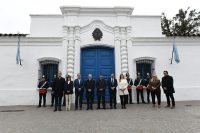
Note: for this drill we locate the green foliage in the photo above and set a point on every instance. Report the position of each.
(185, 23)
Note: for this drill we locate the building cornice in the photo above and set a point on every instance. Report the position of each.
(29, 41)
(165, 41)
(106, 11)
(46, 16)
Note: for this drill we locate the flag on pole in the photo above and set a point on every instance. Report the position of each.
(18, 57)
(175, 54)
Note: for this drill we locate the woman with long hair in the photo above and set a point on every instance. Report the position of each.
(68, 90)
(123, 92)
(154, 86)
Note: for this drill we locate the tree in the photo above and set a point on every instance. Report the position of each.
(185, 23)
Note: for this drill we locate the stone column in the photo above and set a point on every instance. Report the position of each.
(129, 43)
(70, 52)
(77, 49)
(117, 41)
(65, 45)
(123, 51)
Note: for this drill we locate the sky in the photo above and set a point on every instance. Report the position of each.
(14, 14)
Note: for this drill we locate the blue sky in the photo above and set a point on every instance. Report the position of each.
(14, 14)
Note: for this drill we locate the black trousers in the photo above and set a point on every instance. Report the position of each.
(130, 95)
(44, 99)
(101, 98)
(113, 99)
(123, 99)
(90, 99)
(58, 101)
(52, 99)
(140, 93)
(148, 95)
(170, 96)
(78, 100)
(156, 94)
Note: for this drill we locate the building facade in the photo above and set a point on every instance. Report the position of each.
(98, 41)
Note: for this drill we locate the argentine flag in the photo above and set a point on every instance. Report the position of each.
(18, 58)
(175, 54)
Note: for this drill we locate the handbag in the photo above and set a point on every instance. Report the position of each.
(139, 87)
(42, 90)
(129, 87)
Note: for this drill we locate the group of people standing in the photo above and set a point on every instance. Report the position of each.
(64, 88)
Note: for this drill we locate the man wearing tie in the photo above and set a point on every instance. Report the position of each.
(79, 89)
(90, 85)
(112, 85)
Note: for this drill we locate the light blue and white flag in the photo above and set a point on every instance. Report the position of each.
(18, 57)
(175, 54)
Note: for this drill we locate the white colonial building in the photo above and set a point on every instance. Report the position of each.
(98, 41)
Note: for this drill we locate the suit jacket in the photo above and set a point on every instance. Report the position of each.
(78, 85)
(101, 84)
(41, 84)
(68, 89)
(137, 81)
(58, 86)
(146, 81)
(130, 81)
(112, 84)
(167, 82)
(90, 84)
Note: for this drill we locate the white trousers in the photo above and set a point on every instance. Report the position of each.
(68, 98)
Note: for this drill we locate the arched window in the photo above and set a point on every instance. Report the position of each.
(48, 68)
(145, 65)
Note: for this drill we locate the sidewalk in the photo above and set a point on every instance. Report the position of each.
(142, 118)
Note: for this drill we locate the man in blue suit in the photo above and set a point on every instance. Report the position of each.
(112, 85)
(79, 89)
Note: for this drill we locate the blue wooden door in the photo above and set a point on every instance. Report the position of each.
(97, 60)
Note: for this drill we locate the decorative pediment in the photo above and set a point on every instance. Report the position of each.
(97, 24)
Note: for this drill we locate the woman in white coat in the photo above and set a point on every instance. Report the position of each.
(122, 90)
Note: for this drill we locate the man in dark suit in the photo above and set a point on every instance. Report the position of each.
(101, 87)
(146, 83)
(139, 83)
(79, 89)
(90, 85)
(168, 87)
(112, 85)
(43, 85)
(130, 84)
(58, 87)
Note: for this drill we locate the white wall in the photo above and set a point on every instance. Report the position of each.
(185, 74)
(46, 26)
(19, 83)
(146, 26)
